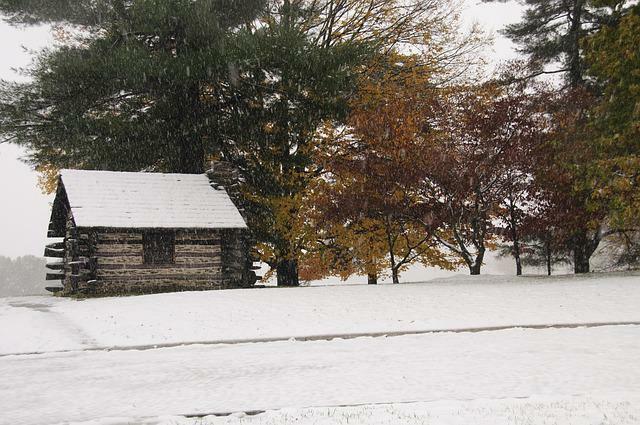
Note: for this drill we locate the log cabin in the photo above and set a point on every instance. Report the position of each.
(132, 232)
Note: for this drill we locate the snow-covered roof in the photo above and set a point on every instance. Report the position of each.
(148, 200)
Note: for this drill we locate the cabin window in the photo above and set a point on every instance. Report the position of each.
(159, 247)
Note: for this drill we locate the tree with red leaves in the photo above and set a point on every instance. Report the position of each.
(477, 166)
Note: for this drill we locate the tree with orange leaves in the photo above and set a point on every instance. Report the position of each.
(370, 186)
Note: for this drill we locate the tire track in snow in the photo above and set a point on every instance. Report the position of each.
(67, 325)
(256, 412)
(323, 337)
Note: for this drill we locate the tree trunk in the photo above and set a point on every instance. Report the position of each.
(548, 256)
(392, 257)
(372, 278)
(513, 218)
(395, 275)
(583, 248)
(518, 266)
(575, 37)
(516, 253)
(287, 273)
(476, 265)
(580, 259)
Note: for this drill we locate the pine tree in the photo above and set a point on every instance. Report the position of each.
(137, 89)
(613, 58)
(551, 33)
(287, 86)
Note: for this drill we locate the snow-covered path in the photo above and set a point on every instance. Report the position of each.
(39, 324)
(80, 386)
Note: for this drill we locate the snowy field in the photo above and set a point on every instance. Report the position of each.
(564, 375)
(38, 324)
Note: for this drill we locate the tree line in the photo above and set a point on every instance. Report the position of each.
(22, 276)
(364, 138)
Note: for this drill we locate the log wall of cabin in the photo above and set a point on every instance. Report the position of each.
(68, 254)
(79, 258)
(197, 263)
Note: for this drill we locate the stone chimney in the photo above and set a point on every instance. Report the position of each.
(236, 243)
(223, 175)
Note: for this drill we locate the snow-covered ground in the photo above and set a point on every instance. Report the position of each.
(513, 364)
(36, 324)
(565, 376)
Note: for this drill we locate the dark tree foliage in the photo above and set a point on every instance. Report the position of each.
(551, 32)
(613, 57)
(102, 13)
(77, 12)
(139, 91)
(287, 86)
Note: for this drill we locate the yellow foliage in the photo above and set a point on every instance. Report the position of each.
(47, 178)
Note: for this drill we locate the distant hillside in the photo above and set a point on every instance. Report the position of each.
(22, 276)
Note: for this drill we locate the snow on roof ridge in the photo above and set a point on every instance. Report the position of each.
(147, 173)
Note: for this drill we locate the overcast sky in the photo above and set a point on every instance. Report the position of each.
(24, 215)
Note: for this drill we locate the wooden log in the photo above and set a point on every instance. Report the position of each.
(119, 234)
(164, 278)
(209, 242)
(55, 276)
(197, 259)
(106, 254)
(119, 259)
(122, 248)
(173, 272)
(120, 238)
(183, 235)
(54, 289)
(54, 253)
(55, 266)
(83, 261)
(188, 255)
(201, 240)
(194, 249)
(56, 245)
(151, 267)
(120, 242)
